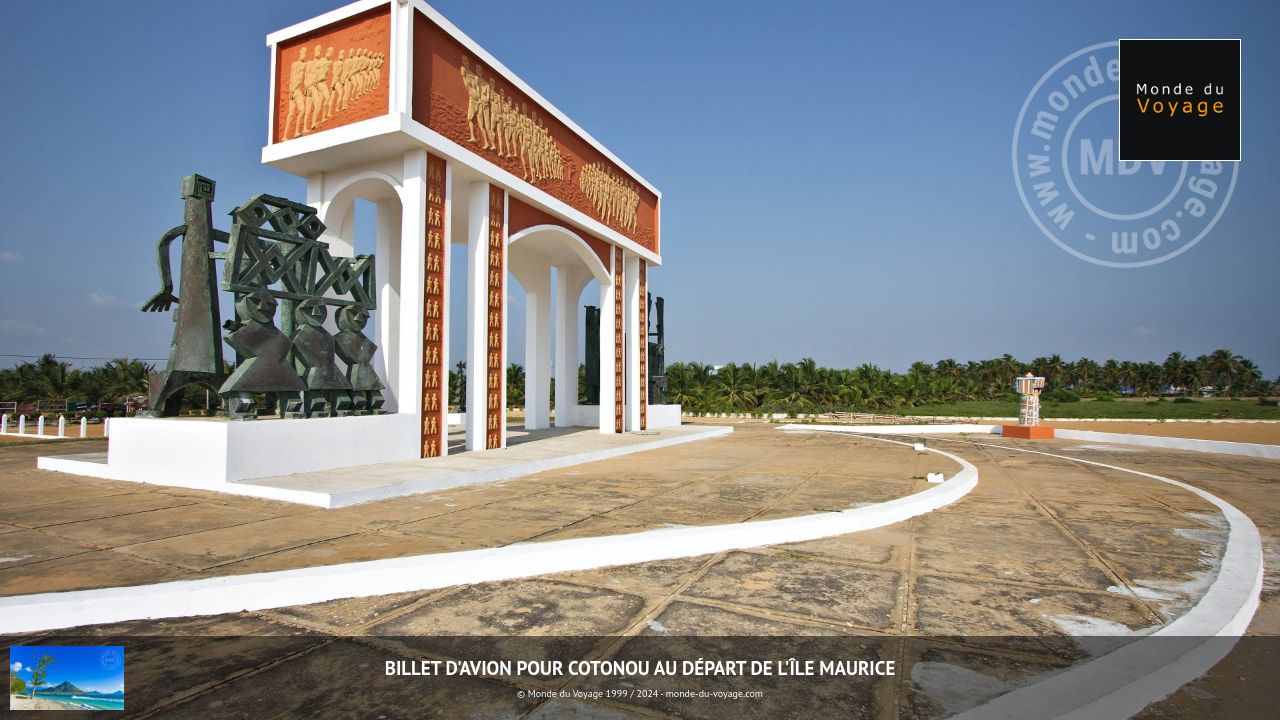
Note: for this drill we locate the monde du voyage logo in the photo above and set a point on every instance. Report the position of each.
(1108, 170)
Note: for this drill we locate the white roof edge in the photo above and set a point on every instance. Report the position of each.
(433, 15)
(320, 21)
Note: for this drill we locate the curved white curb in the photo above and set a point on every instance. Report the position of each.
(1123, 682)
(259, 591)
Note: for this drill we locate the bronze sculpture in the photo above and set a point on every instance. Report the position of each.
(274, 256)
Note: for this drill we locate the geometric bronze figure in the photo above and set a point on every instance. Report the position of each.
(657, 349)
(266, 367)
(195, 354)
(357, 351)
(273, 255)
(313, 347)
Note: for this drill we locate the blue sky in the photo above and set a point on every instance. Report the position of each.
(836, 176)
(82, 666)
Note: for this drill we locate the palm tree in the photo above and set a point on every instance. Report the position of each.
(1178, 372)
(1223, 367)
(515, 385)
(1083, 371)
(47, 379)
(731, 389)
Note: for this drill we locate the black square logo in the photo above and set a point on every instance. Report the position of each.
(1179, 99)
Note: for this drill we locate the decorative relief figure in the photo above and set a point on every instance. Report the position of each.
(616, 200)
(321, 87)
(506, 130)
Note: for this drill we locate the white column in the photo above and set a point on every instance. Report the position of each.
(477, 313)
(606, 357)
(4, 423)
(537, 348)
(445, 306)
(62, 426)
(84, 426)
(386, 269)
(407, 358)
(631, 339)
(400, 72)
(569, 283)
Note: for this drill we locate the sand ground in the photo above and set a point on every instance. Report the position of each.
(22, 702)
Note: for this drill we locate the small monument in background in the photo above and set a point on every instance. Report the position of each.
(1028, 388)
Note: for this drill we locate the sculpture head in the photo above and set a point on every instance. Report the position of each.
(329, 53)
(311, 313)
(302, 53)
(353, 318)
(258, 306)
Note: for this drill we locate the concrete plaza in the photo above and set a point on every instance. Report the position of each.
(1043, 548)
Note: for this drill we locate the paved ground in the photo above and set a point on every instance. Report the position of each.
(64, 532)
(969, 600)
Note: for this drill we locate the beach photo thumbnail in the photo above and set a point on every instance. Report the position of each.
(66, 677)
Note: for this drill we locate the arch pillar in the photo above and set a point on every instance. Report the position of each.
(570, 282)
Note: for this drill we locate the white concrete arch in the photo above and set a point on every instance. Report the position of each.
(534, 252)
(334, 196)
(551, 240)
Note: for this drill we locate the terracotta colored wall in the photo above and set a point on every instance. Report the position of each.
(440, 103)
(368, 31)
(521, 216)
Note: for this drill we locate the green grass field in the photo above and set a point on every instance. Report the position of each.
(1242, 409)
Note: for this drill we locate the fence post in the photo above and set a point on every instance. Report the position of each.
(4, 424)
(106, 427)
(40, 425)
(84, 426)
(22, 424)
(62, 426)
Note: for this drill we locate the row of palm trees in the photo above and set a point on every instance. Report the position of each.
(804, 386)
(772, 387)
(49, 378)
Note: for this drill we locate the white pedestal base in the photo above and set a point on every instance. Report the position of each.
(208, 454)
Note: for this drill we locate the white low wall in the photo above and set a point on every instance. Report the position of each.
(1270, 452)
(661, 416)
(202, 453)
(586, 415)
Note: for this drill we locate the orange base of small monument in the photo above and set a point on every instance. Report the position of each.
(1028, 432)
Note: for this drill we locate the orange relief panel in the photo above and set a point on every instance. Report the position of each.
(435, 397)
(464, 99)
(496, 410)
(644, 345)
(333, 76)
(618, 350)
